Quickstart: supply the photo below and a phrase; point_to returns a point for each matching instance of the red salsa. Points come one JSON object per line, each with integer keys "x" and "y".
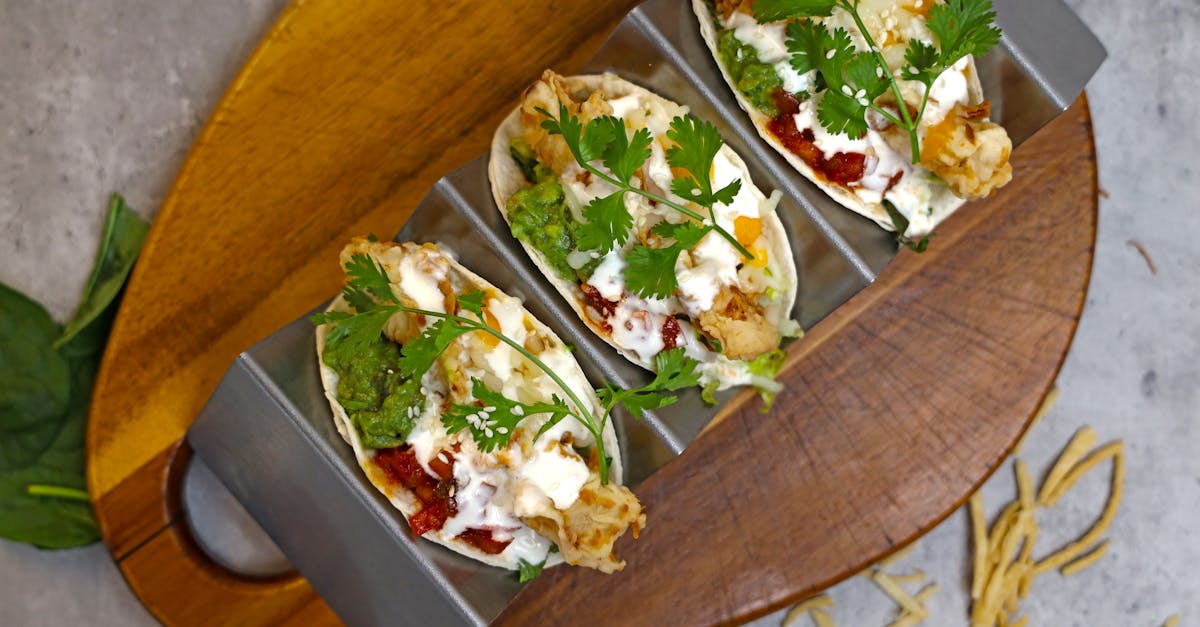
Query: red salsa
{"x": 435, "y": 492}
{"x": 841, "y": 168}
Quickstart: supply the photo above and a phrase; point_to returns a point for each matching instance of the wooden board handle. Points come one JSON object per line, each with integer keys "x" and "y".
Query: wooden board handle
{"x": 179, "y": 583}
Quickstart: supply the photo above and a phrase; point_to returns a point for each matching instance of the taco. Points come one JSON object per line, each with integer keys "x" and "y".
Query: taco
{"x": 963, "y": 155}
{"x": 534, "y": 496}
{"x": 729, "y": 311}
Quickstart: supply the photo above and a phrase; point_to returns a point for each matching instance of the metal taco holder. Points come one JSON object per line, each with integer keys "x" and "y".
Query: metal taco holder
{"x": 268, "y": 434}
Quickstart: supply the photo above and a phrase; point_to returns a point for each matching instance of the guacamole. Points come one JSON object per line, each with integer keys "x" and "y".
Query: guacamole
{"x": 538, "y": 215}
{"x": 382, "y": 405}
{"x": 756, "y": 81}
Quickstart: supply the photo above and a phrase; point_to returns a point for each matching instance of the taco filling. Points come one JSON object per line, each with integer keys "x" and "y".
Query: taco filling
{"x": 728, "y": 309}
{"x": 532, "y": 496}
{"x": 963, "y": 155}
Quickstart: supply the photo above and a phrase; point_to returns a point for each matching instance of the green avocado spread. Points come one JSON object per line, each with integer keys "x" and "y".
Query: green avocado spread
{"x": 382, "y": 405}
{"x": 756, "y": 81}
{"x": 538, "y": 215}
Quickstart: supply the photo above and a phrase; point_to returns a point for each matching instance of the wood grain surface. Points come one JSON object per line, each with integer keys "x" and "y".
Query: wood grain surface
{"x": 895, "y": 408}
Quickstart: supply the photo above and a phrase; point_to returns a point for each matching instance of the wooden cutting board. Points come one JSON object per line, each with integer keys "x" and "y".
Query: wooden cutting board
{"x": 896, "y": 407}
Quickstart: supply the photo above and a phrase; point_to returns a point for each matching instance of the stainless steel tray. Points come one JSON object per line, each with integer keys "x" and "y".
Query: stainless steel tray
{"x": 267, "y": 431}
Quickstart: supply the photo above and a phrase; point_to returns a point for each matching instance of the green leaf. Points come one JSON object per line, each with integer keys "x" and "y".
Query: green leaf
{"x": 650, "y": 272}
{"x": 529, "y": 572}
{"x": 607, "y": 226}
{"x": 124, "y": 233}
{"x": 49, "y": 521}
{"x": 35, "y": 381}
{"x": 809, "y": 42}
{"x": 963, "y": 27}
{"x": 686, "y": 234}
{"x": 492, "y": 422}
{"x": 623, "y": 155}
{"x": 696, "y": 144}
{"x": 419, "y": 354}
{"x": 779, "y": 10}
{"x": 839, "y": 113}
{"x": 472, "y": 301}
{"x": 921, "y": 62}
{"x": 862, "y": 76}
{"x": 367, "y": 284}
{"x": 673, "y": 370}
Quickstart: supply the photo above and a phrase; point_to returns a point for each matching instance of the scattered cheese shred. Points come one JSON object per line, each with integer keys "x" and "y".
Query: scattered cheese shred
{"x": 1004, "y": 564}
{"x": 804, "y": 607}
{"x": 822, "y": 618}
{"x": 1089, "y": 558}
{"x": 1172, "y": 621}
{"x": 1084, "y": 439}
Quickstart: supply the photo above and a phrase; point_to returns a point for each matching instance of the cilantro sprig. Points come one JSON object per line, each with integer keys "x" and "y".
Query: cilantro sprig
{"x": 855, "y": 79}
{"x": 492, "y": 421}
{"x": 650, "y": 271}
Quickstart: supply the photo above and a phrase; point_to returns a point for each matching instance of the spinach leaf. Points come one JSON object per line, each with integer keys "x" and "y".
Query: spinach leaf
{"x": 46, "y": 379}
{"x": 54, "y": 522}
{"x": 34, "y": 381}
{"x": 119, "y": 247}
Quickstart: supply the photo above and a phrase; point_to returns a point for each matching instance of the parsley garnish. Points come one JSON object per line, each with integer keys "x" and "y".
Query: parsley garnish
{"x": 493, "y": 419}
{"x": 651, "y": 271}
{"x": 856, "y": 79}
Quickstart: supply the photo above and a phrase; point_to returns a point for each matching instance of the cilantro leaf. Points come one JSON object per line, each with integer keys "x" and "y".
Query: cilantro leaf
{"x": 696, "y": 145}
{"x": 607, "y": 226}
{"x": 418, "y": 355}
{"x": 529, "y": 572}
{"x": 472, "y": 301}
{"x": 686, "y": 234}
{"x": 808, "y": 42}
{"x": 862, "y": 76}
{"x": 843, "y": 114}
{"x": 492, "y": 423}
{"x": 779, "y": 10}
{"x": 622, "y": 155}
{"x": 674, "y": 370}
{"x": 922, "y": 62}
{"x": 963, "y": 27}
{"x": 367, "y": 283}
{"x": 650, "y": 272}
{"x": 353, "y": 333}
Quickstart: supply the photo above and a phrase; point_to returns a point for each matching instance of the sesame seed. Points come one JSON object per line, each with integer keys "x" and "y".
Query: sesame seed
{"x": 518, "y": 411}
{"x": 829, "y": 55}
{"x": 502, "y": 430}
{"x": 860, "y": 93}
{"x": 846, "y": 90}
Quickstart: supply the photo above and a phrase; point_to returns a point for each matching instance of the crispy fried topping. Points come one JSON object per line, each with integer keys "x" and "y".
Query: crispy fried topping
{"x": 586, "y": 531}
{"x": 969, "y": 152}
{"x": 739, "y": 324}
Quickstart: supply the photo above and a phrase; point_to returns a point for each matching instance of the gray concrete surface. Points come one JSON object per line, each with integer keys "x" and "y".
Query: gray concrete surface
{"x": 107, "y": 95}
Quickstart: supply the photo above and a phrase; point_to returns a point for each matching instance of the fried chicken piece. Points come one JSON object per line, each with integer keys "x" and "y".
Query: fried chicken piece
{"x": 739, "y": 325}
{"x": 548, "y": 93}
{"x": 586, "y": 531}
{"x": 969, "y": 152}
